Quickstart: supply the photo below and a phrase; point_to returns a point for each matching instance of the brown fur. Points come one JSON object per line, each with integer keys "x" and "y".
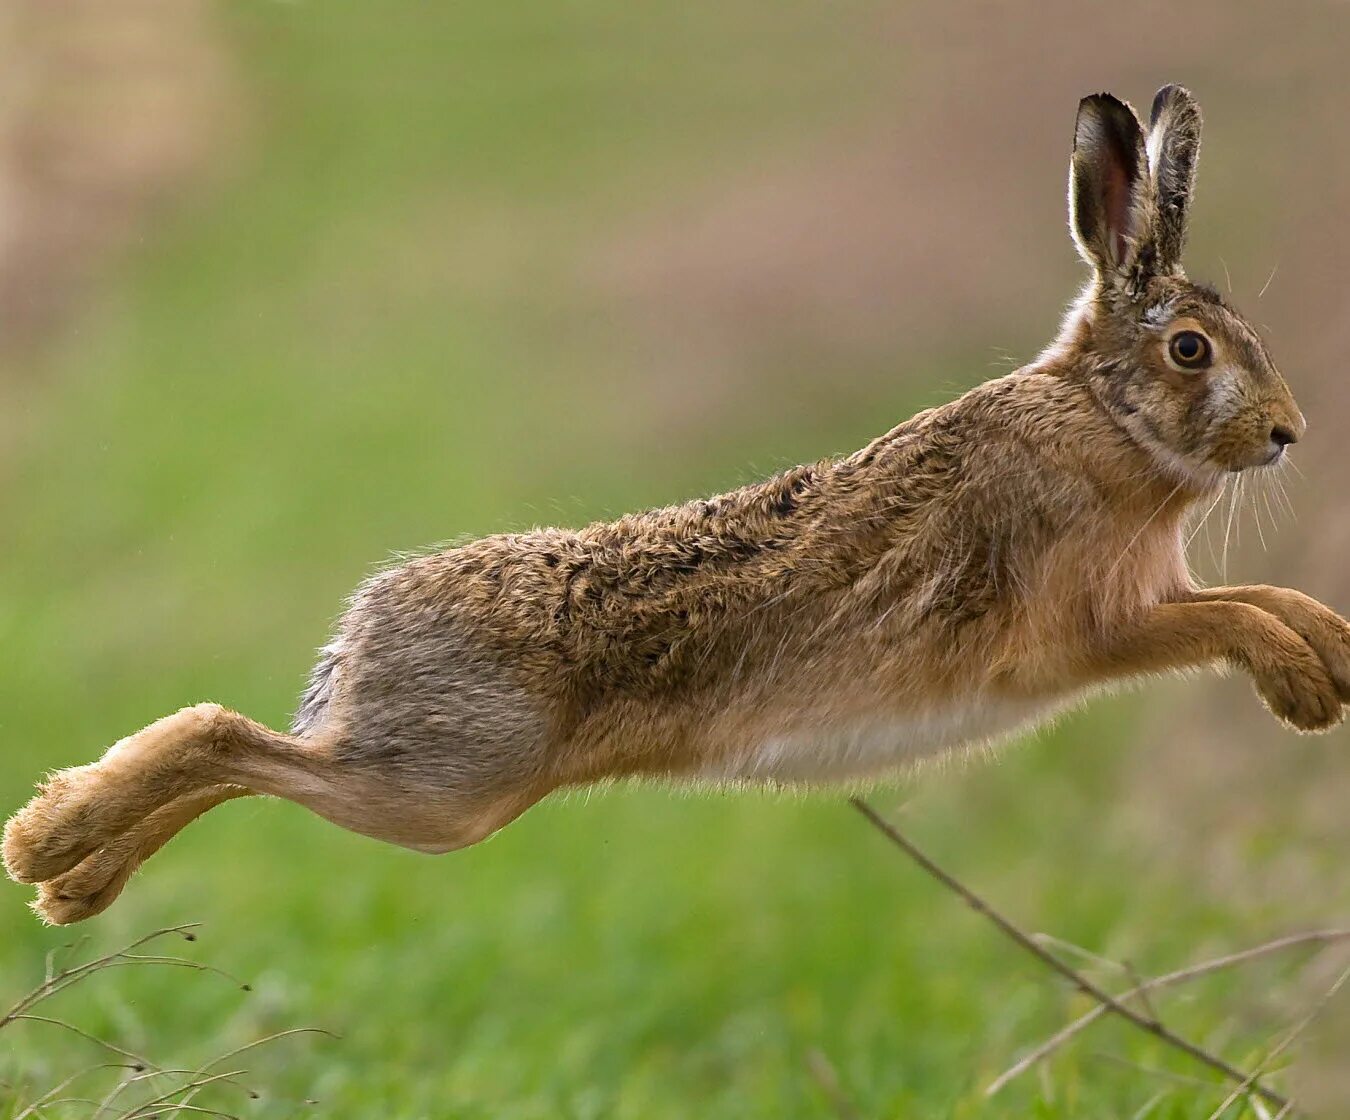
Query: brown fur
{"x": 968, "y": 572}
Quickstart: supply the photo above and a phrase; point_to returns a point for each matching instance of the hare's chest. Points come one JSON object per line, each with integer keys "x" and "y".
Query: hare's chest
{"x": 880, "y": 744}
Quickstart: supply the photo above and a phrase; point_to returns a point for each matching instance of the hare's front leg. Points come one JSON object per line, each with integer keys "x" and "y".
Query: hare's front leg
{"x": 1287, "y": 671}
{"x": 1318, "y": 625}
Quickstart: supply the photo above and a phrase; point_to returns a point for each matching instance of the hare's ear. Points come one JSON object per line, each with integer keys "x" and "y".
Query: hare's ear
{"x": 1173, "y": 149}
{"x": 1108, "y": 185}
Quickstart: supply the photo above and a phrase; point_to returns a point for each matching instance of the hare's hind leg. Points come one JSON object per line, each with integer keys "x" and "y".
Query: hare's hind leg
{"x": 85, "y": 808}
{"x": 92, "y": 885}
{"x": 112, "y": 804}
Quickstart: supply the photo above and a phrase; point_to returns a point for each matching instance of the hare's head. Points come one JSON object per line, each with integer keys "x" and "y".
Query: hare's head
{"x": 1181, "y": 371}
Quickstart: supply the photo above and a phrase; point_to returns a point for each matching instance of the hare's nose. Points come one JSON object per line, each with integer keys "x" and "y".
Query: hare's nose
{"x": 1281, "y": 436}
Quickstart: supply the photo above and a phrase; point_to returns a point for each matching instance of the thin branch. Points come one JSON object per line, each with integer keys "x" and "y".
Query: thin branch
{"x": 36, "y": 1105}
{"x": 138, "y": 1061}
{"x": 178, "y": 1088}
{"x": 183, "y": 962}
{"x": 1149, "y": 1105}
{"x": 157, "y": 1105}
{"x": 1141, "y": 987}
{"x": 1285, "y": 1042}
{"x": 1161, "y": 1074}
{"x": 1050, "y": 941}
{"x": 201, "y": 1070}
{"x": 70, "y": 947}
{"x": 68, "y": 976}
{"x": 1181, "y": 975}
{"x": 1079, "y": 981}
{"x": 63, "y": 1100}
{"x": 117, "y": 1090}
{"x": 225, "y": 1057}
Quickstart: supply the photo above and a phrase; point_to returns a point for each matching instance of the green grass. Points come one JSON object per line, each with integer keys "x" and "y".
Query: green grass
{"x": 323, "y": 361}
{"x": 642, "y": 954}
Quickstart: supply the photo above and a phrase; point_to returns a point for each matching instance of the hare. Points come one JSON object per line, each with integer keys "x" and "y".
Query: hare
{"x": 967, "y": 574}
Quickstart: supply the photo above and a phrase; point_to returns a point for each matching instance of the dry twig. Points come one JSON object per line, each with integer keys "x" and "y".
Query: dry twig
{"x": 1076, "y": 978}
{"x": 1192, "y": 972}
{"x": 175, "y": 1099}
{"x": 1280, "y": 1047}
{"x": 67, "y": 976}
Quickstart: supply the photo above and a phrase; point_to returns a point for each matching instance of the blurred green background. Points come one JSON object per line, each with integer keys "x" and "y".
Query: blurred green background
{"x": 289, "y": 287}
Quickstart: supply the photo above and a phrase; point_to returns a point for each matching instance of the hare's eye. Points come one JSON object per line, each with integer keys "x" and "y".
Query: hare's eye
{"x": 1190, "y": 350}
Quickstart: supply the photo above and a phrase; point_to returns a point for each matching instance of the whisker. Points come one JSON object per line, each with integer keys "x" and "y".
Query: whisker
{"x": 1271, "y": 511}
{"x": 1227, "y": 277}
{"x": 1256, "y": 516}
{"x": 1228, "y": 526}
{"x": 1204, "y": 517}
{"x": 1242, "y": 498}
{"x": 1276, "y": 492}
{"x": 1268, "y": 280}
{"x": 1209, "y": 524}
{"x": 1282, "y": 495}
{"x": 1140, "y": 532}
{"x": 1278, "y": 480}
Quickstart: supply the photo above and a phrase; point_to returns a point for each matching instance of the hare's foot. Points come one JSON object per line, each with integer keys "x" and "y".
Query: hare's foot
{"x": 1289, "y": 673}
{"x": 28, "y": 846}
{"x": 90, "y": 887}
{"x": 1318, "y": 625}
{"x": 80, "y": 810}
{"x": 1296, "y": 686}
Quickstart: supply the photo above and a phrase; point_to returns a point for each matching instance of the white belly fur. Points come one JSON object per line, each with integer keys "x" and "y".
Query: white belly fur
{"x": 876, "y": 746}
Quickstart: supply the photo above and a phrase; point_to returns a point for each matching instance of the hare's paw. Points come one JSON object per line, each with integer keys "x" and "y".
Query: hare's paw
{"x": 1322, "y": 628}
{"x": 1300, "y": 692}
{"x": 87, "y": 889}
{"x": 79, "y": 810}
{"x": 91, "y": 886}
{"x": 45, "y": 837}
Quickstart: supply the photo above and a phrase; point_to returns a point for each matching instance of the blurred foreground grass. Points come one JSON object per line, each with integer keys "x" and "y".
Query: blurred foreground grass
{"x": 329, "y": 359}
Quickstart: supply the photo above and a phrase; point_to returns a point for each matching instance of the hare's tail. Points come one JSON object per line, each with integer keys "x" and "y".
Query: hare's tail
{"x": 318, "y": 691}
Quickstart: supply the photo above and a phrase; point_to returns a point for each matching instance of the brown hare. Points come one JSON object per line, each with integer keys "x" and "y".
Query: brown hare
{"x": 964, "y": 575}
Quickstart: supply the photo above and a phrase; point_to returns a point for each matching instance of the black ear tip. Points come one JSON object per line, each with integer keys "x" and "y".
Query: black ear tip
{"x": 1102, "y": 103}
{"x": 1170, "y": 96}
{"x": 1104, "y": 114}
